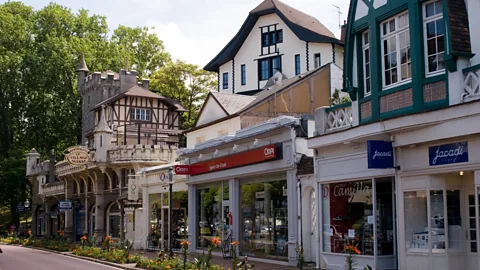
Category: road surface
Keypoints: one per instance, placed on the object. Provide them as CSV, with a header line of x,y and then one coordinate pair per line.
x,y
18,258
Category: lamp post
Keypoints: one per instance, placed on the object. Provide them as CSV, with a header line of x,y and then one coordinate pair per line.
x,y
170,237
27,205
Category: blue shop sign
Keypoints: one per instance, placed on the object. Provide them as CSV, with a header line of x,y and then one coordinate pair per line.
x,y
380,154
448,153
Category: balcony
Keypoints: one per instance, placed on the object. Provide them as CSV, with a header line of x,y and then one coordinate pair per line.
x,y
51,189
333,119
40,168
471,88
142,153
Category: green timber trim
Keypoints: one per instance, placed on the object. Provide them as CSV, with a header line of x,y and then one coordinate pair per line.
x,y
339,106
372,23
470,69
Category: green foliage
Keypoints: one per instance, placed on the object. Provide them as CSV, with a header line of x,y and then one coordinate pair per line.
x,y
185,83
300,257
337,98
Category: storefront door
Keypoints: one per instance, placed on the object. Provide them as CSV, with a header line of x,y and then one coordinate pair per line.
x,y
471,233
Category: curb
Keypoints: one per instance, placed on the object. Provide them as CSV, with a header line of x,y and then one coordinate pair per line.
x,y
70,254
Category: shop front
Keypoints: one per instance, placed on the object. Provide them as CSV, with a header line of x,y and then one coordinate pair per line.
x,y
438,201
406,201
155,212
244,188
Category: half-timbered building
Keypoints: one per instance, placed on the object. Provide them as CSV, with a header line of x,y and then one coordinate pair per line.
x,y
125,127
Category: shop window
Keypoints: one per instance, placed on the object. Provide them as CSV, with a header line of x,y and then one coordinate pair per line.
x,y
212,215
348,217
264,215
114,221
417,230
385,216
158,236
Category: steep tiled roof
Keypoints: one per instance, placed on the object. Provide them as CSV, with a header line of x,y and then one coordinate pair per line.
x,y
459,27
304,26
295,16
232,103
138,91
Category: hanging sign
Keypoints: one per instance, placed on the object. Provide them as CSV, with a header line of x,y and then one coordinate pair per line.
x,y
65,205
132,188
77,156
448,153
380,154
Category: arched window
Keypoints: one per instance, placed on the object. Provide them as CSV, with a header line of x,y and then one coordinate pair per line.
x,y
113,221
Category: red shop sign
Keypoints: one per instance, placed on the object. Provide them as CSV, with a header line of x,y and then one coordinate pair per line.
x,y
262,154
181,169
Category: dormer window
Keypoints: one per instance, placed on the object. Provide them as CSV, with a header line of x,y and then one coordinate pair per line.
x,y
140,114
272,38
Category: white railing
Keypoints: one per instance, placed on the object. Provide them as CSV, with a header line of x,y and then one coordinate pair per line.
x,y
331,119
471,83
138,153
64,168
52,189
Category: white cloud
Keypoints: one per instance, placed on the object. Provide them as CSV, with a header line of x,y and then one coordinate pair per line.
x,y
194,30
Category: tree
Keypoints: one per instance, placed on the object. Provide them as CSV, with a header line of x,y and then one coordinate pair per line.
x,y
338,98
143,50
185,83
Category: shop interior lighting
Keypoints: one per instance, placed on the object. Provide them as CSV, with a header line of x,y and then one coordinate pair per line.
x,y
461,173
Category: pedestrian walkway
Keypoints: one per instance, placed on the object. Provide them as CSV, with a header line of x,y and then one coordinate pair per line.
x,y
217,260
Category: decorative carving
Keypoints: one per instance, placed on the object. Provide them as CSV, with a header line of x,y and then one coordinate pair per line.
x,y
471,86
339,119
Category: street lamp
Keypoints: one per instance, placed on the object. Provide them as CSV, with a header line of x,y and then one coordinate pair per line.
x,y
170,208
27,205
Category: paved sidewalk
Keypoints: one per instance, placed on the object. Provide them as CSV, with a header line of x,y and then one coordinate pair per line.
x,y
217,260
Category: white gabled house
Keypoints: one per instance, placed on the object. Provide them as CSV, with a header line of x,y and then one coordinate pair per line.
x,y
274,37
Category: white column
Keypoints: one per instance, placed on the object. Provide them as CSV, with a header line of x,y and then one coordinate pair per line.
x,y
192,217
292,202
130,217
234,196
146,213
139,235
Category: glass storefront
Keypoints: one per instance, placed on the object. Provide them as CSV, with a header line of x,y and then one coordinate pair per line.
x,y
212,209
349,216
159,218
114,225
264,215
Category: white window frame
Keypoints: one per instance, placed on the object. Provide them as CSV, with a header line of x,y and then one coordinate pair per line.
x,y
365,47
398,31
425,43
140,114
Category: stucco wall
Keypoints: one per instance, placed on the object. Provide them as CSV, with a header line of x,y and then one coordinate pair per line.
x,y
230,126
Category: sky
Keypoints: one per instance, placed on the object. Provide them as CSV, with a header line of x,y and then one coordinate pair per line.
x,y
194,30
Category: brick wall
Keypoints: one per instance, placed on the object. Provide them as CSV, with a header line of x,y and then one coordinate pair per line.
x,y
397,100
434,91
366,110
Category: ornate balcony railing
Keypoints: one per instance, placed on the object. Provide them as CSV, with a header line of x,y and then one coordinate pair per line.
x,y
142,153
471,89
64,168
51,189
331,119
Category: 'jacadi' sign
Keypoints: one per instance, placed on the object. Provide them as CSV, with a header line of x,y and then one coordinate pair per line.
x,y
262,154
380,154
448,153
